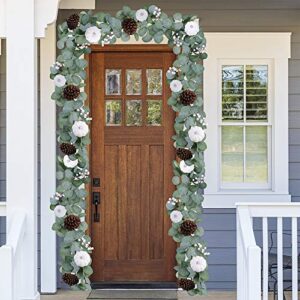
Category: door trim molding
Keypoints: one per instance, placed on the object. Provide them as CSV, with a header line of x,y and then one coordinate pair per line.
x,y
131,48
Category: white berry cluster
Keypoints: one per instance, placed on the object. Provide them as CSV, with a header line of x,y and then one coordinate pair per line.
x,y
85,243
107,39
82,173
200,119
57,65
58,196
173,70
157,12
198,180
202,249
177,38
198,49
84,114
82,46
173,201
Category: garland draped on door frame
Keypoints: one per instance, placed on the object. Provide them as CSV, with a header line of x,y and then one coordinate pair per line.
x,y
187,40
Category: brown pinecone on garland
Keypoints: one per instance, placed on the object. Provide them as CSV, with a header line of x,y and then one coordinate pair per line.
x,y
186,284
73,21
70,279
187,97
184,154
71,222
71,92
129,26
67,149
188,227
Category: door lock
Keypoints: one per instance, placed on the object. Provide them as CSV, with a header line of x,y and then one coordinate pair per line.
x,y
96,202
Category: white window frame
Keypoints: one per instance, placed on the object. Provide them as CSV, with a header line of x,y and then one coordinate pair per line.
x,y
272,49
243,62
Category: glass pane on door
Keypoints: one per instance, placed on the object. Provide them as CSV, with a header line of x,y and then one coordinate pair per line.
x,y
112,82
113,112
133,82
133,112
154,115
154,81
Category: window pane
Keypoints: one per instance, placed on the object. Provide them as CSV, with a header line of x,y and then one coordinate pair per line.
x,y
133,82
113,112
154,81
232,154
154,112
232,93
257,154
256,93
113,82
134,113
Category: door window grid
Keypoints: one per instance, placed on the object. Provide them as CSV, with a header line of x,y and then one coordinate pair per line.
x,y
141,92
245,163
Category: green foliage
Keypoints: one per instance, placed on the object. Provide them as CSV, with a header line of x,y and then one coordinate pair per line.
x,y
187,197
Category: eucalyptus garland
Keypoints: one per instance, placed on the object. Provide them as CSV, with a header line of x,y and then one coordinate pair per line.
x,y
185,77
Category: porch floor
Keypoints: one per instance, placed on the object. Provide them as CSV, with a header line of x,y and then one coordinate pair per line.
x,y
70,295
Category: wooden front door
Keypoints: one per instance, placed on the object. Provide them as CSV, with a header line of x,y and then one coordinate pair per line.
x,y
131,154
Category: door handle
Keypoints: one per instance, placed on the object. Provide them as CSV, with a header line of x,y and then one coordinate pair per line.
x,y
96,202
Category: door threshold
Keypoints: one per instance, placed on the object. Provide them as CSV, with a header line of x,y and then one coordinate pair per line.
x,y
134,285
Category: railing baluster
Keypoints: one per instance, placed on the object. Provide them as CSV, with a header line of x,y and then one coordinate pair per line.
x,y
279,259
265,259
294,259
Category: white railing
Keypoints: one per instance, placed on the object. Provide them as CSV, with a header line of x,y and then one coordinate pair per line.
x,y
252,271
11,274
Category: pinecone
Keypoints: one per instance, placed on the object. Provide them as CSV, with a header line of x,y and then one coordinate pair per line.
x,y
184,154
186,284
187,97
71,222
71,92
70,279
67,149
129,26
188,227
73,21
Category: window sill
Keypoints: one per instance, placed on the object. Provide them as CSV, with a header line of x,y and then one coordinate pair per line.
x,y
228,199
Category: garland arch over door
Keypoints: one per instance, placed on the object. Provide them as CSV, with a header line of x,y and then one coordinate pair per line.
x,y
185,77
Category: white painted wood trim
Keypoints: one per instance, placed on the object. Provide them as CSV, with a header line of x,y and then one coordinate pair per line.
x,y
77,4
294,259
48,162
2,18
6,262
229,200
265,259
22,106
274,47
279,259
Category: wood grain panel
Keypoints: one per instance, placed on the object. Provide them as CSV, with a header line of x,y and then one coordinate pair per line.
x,y
122,212
134,221
111,203
156,195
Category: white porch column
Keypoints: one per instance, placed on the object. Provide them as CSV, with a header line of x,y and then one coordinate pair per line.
x,y
22,133
48,161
